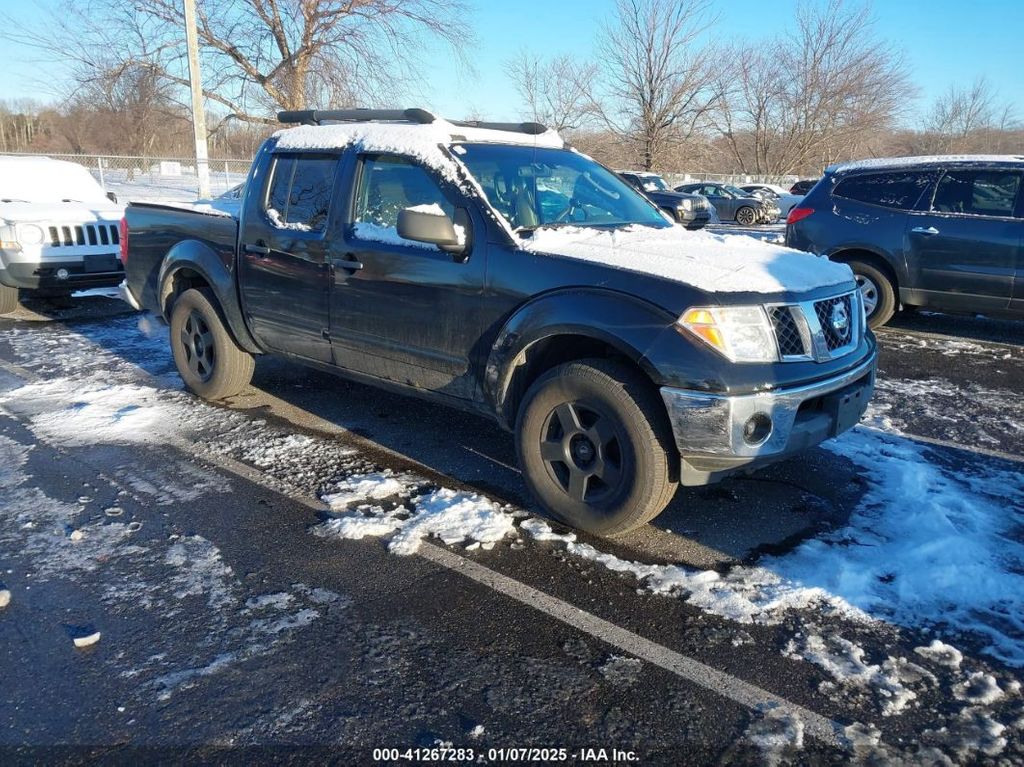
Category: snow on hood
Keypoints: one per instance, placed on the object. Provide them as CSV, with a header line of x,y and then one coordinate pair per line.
x,y
60,212
705,260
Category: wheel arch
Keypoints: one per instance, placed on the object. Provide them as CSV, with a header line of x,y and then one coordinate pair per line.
x,y
192,264
880,262
563,327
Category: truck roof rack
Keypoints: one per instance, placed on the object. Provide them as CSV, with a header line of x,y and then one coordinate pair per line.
x,y
320,116
415,115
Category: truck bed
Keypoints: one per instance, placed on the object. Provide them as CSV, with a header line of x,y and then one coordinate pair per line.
x,y
153,229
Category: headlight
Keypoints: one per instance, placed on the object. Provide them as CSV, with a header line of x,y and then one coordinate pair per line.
x,y
738,333
30,234
686,205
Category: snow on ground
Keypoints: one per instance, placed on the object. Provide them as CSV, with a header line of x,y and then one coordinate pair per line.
x,y
927,546
778,735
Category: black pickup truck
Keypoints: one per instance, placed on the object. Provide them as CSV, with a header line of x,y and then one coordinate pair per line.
x,y
492,267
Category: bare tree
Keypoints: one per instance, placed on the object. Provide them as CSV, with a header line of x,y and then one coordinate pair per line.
x,y
962,116
556,92
658,85
258,55
826,91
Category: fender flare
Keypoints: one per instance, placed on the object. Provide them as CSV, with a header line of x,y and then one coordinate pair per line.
x,y
200,258
626,323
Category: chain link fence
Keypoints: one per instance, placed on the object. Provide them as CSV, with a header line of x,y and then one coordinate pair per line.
x,y
155,179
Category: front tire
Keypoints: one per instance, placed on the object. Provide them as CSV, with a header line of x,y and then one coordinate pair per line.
x,y
8,299
209,361
596,447
877,292
746,216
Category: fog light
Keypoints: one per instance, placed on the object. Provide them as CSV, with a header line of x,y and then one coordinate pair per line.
x,y
63,274
757,428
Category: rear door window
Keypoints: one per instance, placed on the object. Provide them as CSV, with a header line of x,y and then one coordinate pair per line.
x,y
977,192
899,189
299,195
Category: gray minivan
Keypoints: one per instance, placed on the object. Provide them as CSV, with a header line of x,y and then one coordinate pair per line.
x,y
939,232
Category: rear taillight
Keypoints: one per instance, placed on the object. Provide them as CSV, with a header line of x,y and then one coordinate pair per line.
x,y
122,230
798,214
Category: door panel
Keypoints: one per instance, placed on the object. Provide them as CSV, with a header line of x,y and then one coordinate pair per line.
x,y
285,271
962,251
412,312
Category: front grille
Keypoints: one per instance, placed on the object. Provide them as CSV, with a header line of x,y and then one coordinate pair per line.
x,y
791,343
67,235
837,321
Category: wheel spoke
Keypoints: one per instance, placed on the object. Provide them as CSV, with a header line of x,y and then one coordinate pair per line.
x,y
186,339
552,452
568,418
607,472
207,338
578,480
602,432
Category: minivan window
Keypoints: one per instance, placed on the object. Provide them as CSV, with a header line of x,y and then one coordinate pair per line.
x,y
977,192
299,195
901,189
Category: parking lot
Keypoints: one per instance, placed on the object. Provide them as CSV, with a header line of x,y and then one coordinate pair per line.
x,y
285,570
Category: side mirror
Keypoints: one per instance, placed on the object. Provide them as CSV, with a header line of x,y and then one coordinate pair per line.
x,y
427,223
112,197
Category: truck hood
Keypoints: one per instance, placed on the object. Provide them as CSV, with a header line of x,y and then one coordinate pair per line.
x,y
714,263
60,212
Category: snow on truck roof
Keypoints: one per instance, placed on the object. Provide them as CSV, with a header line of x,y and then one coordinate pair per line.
x,y
901,162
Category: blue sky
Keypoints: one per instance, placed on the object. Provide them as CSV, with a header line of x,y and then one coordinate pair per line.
x,y
944,41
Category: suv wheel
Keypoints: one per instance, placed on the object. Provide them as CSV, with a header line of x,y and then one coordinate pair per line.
x,y
8,299
876,291
596,448
209,361
746,216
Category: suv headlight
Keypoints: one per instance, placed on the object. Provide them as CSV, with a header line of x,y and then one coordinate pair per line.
x,y
30,234
686,205
738,333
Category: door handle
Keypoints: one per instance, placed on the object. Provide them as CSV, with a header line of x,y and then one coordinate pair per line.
x,y
929,230
257,248
347,263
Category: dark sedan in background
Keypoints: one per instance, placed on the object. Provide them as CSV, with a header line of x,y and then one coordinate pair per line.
x,y
690,210
939,232
734,204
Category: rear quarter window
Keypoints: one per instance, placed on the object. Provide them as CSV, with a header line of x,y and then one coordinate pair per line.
x,y
299,194
900,190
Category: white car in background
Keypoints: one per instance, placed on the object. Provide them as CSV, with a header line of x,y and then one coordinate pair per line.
x,y
783,198
59,231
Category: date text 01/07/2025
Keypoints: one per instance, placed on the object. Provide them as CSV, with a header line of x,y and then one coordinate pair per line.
x,y
442,753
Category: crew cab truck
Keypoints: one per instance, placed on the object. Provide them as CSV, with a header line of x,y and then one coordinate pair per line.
x,y
492,267
58,230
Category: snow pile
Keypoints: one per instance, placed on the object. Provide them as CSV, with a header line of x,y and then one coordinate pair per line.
x,y
923,547
777,735
941,653
845,662
979,688
705,260
68,412
387,235
364,487
450,515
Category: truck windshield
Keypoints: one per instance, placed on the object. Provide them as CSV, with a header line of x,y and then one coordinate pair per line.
x,y
535,187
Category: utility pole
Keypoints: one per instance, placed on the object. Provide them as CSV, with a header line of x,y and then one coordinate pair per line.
x,y
198,113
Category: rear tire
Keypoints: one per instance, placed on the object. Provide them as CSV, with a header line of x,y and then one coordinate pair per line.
x,y
877,292
209,361
8,299
746,216
596,447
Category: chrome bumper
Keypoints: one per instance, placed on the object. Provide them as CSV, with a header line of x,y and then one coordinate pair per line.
x,y
709,428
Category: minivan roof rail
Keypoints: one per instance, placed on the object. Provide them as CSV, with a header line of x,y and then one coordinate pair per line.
x,y
415,115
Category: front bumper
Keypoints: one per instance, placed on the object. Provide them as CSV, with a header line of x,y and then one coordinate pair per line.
x,y
709,428
96,273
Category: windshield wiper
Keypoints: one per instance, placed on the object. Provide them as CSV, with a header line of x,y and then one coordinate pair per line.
x,y
11,199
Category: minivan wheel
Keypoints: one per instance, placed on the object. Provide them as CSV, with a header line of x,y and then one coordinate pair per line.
x,y
596,448
746,216
876,291
209,361
8,299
